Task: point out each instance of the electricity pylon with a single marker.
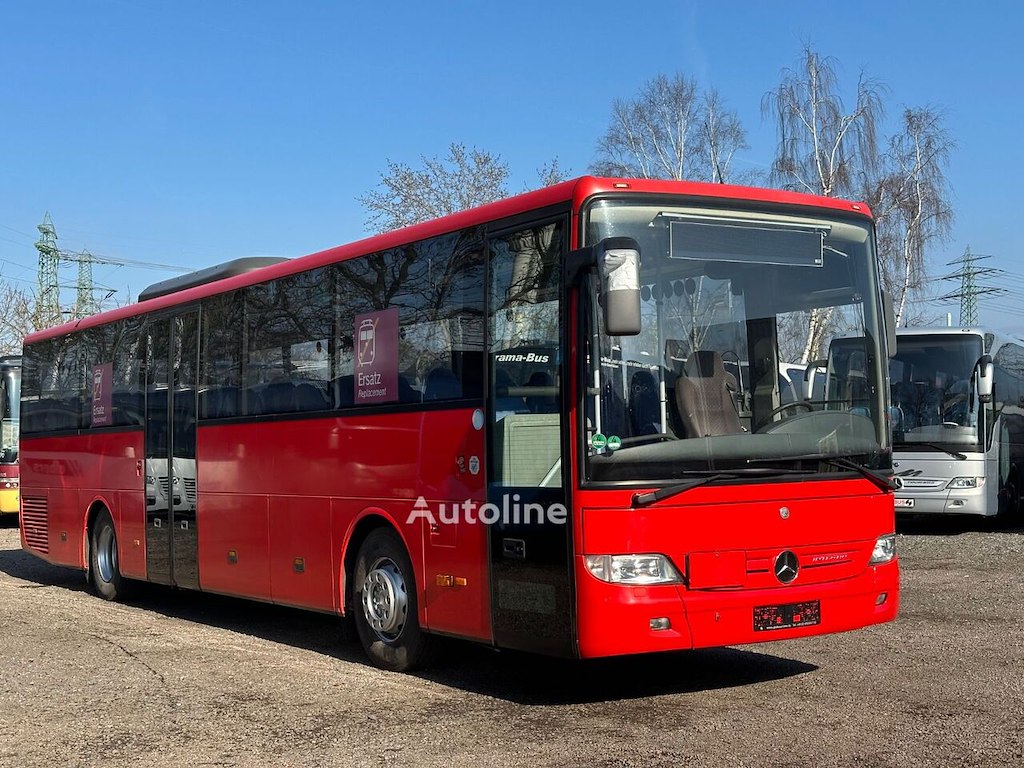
(969, 289)
(48, 299)
(48, 308)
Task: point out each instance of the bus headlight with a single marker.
(966, 482)
(884, 551)
(633, 569)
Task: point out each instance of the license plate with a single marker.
(907, 503)
(770, 617)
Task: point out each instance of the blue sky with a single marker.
(196, 132)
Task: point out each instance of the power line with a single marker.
(50, 259)
(969, 289)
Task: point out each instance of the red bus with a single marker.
(513, 425)
(10, 395)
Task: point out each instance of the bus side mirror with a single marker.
(986, 378)
(618, 264)
(889, 318)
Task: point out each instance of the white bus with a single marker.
(957, 421)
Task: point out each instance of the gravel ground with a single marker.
(181, 679)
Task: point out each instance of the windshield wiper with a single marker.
(937, 447)
(882, 481)
(646, 499)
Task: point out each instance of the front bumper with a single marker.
(616, 620)
(960, 501)
(10, 499)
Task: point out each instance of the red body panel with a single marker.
(262, 507)
(304, 501)
(72, 473)
(724, 540)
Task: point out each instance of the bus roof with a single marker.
(576, 191)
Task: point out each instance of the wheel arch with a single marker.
(368, 521)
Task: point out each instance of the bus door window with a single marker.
(159, 488)
(525, 354)
(185, 545)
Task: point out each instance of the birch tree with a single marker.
(910, 201)
(823, 148)
(721, 136)
(671, 130)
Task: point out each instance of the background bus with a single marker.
(503, 425)
(10, 396)
(958, 423)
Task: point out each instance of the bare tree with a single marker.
(722, 136)
(17, 318)
(823, 148)
(653, 136)
(464, 179)
(550, 174)
(910, 201)
(670, 130)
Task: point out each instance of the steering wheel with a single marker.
(784, 407)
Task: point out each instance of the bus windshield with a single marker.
(932, 382)
(10, 396)
(727, 302)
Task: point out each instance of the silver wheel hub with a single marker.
(106, 555)
(385, 599)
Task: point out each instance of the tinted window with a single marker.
(436, 340)
(289, 321)
(220, 382)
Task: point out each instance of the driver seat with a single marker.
(704, 397)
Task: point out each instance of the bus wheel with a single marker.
(385, 605)
(104, 572)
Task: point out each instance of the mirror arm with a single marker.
(576, 264)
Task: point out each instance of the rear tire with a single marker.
(104, 569)
(385, 606)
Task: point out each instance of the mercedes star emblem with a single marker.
(786, 567)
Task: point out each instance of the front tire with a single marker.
(104, 569)
(385, 604)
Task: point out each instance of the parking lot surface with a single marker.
(187, 679)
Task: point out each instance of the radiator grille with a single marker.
(34, 524)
